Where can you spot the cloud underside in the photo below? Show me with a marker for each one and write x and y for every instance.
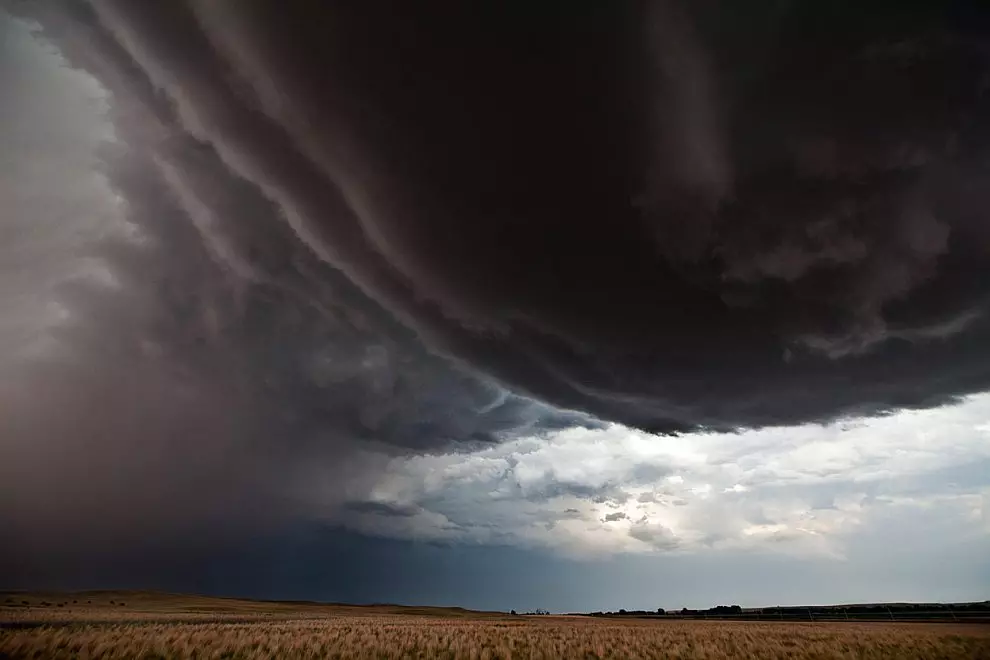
(659, 221)
(357, 244)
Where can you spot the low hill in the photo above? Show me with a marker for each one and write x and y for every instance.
(128, 604)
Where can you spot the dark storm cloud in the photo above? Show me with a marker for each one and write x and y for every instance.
(406, 226)
(668, 214)
(220, 376)
(383, 509)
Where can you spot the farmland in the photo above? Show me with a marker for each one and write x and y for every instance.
(161, 626)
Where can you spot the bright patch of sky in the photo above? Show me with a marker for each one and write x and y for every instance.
(805, 491)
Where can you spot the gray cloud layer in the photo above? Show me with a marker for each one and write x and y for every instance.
(353, 225)
(175, 361)
(644, 212)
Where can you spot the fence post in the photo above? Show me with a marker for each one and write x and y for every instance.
(891, 615)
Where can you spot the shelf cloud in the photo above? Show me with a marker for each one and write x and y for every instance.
(330, 234)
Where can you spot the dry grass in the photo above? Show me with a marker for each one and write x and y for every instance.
(420, 637)
(123, 606)
(311, 631)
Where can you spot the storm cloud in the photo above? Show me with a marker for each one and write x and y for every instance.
(175, 359)
(641, 210)
(345, 232)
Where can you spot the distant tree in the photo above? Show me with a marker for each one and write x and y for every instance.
(660, 610)
(725, 609)
(512, 612)
(622, 611)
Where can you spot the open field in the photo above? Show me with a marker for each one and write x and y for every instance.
(160, 626)
(130, 606)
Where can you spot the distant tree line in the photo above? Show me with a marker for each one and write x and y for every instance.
(657, 612)
(881, 608)
(720, 610)
(867, 610)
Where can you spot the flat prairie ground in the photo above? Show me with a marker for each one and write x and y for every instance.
(286, 630)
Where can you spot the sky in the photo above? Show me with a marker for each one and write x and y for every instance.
(366, 306)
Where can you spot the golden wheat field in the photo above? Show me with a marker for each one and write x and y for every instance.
(288, 631)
